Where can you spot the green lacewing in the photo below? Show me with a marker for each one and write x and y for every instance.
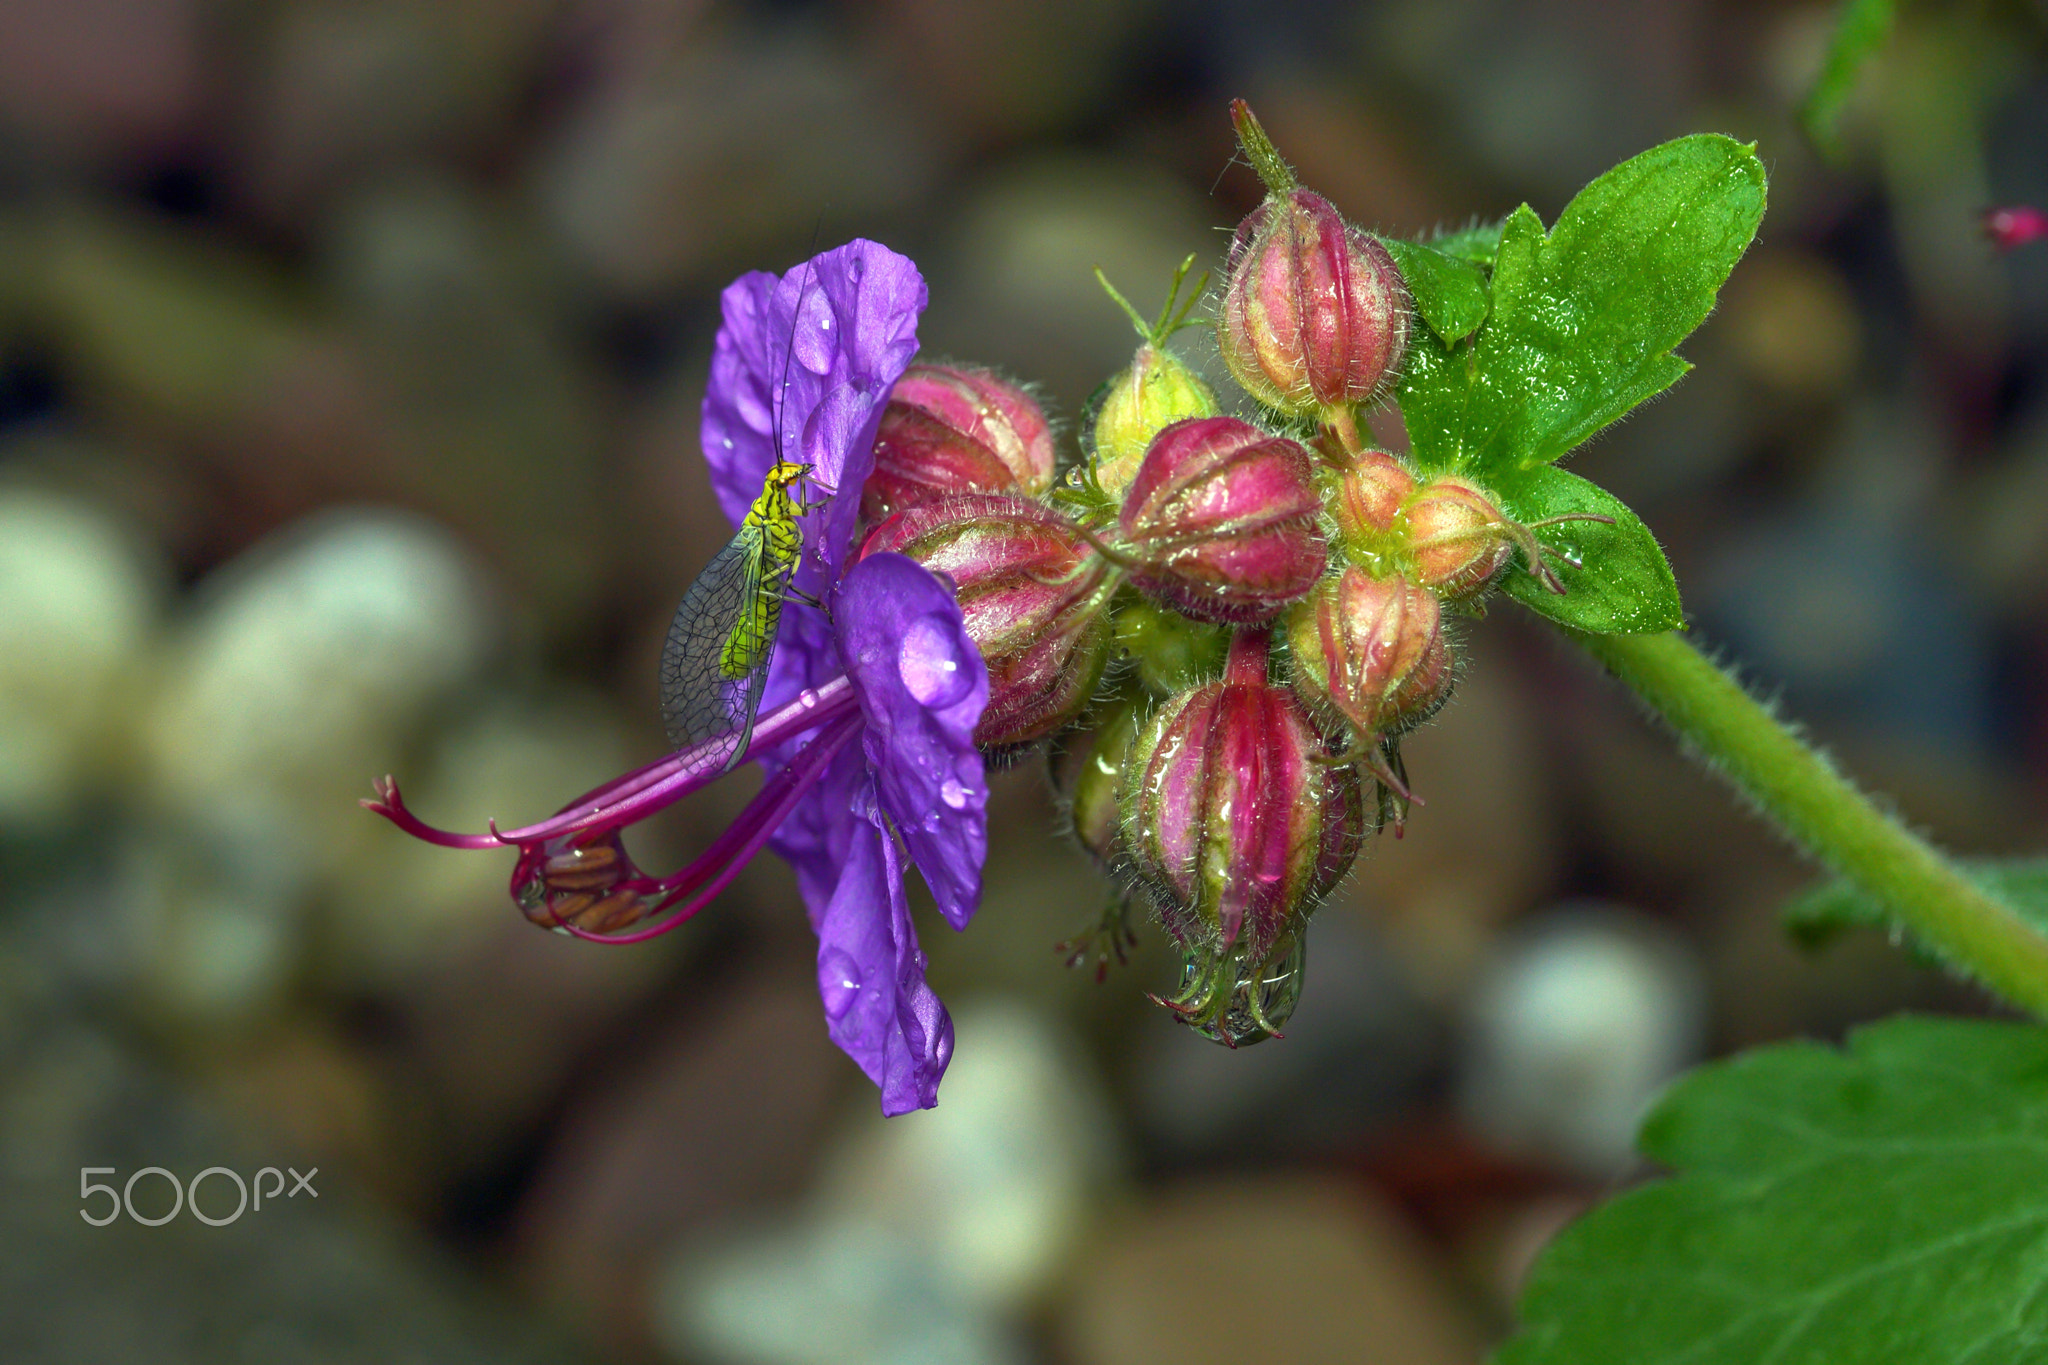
(715, 661)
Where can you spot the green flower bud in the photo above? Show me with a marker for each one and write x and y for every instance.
(1158, 390)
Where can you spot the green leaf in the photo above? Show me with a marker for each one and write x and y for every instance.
(1449, 291)
(1584, 318)
(1825, 911)
(1861, 28)
(1616, 579)
(1878, 1205)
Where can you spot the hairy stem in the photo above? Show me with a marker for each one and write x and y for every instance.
(1823, 812)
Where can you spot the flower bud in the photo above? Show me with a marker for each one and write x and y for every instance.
(1032, 597)
(1158, 390)
(1315, 313)
(1221, 521)
(956, 429)
(1459, 541)
(1370, 653)
(1168, 652)
(1087, 768)
(1368, 508)
(1234, 820)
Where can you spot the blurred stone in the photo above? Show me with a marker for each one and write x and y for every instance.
(1009, 72)
(1793, 324)
(206, 347)
(1354, 1054)
(301, 670)
(321, 1281)
(1263, 1269)
(716, 1108)
(79, 605)
(741, 139)
(994, 1185)
(344, 89)
(1581, 1019)
(931, 1233)
(456, 304)
(824, 1295)
(100, 77)
(1485, 844)
(501, 1028)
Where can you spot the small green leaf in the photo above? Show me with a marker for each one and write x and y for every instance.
(1616, 579)
(1825, 911)
(1476, 244)
(1584, 318)
(1882, 1204)
(1449, 291)
(1861, 28)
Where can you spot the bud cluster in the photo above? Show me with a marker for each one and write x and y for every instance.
(1225, 625)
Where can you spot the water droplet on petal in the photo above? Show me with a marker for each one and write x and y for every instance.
(838, 982)
(953, 794)
(931, 665)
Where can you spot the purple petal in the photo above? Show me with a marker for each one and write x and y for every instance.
(922, 687)
(878, 1008)
(815, 837)
(737, 430)
(801, 370)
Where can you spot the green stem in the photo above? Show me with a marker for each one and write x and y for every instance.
(1801, 791)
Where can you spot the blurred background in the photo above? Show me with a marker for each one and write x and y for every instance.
(350, 362)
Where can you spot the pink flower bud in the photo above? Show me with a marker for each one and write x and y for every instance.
(1234, 820)
(1032, 595)
(1369, 654)
(1315, 314)
(954, 429)
(1221, 521)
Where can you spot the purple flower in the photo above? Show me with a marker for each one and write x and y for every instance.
(802, 369)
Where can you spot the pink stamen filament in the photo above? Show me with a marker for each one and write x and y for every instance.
(641, 792)
(722, 861)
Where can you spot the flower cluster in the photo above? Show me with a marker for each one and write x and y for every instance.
(1221, 624)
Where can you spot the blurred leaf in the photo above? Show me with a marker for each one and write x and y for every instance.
(1584, 318)
(1449, 291)
(1868, 1206)
(1818, 915)
(1861, 28)
(1617, 581)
